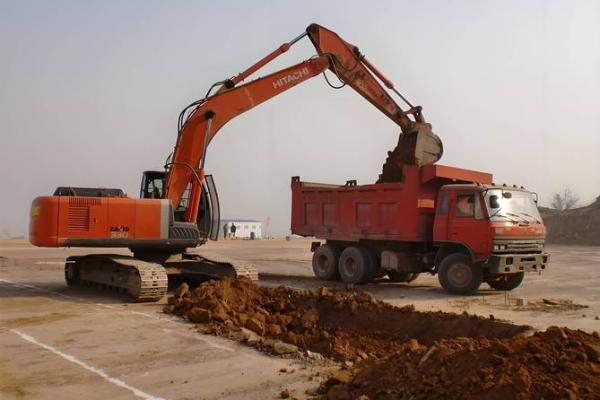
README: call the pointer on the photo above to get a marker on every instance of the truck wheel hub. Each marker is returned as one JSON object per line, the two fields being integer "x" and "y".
{"x": 350, "y": 267}
{"x": 460, "y": 275}
{"x": 323, "y": 263}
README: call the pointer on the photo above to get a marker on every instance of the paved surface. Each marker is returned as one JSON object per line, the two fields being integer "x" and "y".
{"x": 66, "y": 343}
{"x": 573, "y": 275}
{"x": 62, "y": 343}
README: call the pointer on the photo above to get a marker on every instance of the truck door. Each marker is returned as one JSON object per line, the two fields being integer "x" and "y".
{"x": 440, "y": 225}
{"x": 467, "y": 224}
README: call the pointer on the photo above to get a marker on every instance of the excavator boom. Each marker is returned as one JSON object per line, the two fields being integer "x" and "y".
{"x": 206, "y": 120}
{"x": 417, "y": 144}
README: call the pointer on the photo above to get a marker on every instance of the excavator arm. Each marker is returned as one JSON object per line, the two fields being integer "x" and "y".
{"x": 352, "y": 68}
{"x": 201, "y": 120}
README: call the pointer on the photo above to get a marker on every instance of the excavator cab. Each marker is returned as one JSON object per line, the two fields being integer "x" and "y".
{"x": 153, "y": 183}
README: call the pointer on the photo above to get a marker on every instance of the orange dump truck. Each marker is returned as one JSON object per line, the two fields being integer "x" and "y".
{"x": 443, "y": 220}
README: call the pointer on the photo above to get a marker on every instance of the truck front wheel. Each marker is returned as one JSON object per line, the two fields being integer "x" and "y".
{"x": 458, "y": 275}
{"x": 325, "y": 262}
{"x": 354, "y": 265}
{"x": 506, "y": 281}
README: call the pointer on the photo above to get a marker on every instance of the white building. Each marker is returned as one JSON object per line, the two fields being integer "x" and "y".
{"x": 244, "y": 228}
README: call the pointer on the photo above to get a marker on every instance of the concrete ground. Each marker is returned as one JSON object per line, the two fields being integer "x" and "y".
{"x": 66, "y": 343}
{"x": 573, "y": 276}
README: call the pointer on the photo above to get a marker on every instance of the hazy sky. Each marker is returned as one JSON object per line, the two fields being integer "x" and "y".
{"x": 90, "y": 93}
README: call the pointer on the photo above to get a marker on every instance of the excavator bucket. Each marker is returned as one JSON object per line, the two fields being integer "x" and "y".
{"x": 418, "y": 147}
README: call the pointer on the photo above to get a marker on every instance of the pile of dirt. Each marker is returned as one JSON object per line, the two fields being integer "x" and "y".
{"x": 556, "y": 364}
{"x": 345, "y": 325}
{"x": 578, "y": 226}
{"x": 392, "y": 352}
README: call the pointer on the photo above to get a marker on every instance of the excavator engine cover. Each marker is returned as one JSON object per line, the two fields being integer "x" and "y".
{"x": 418, "y": 147}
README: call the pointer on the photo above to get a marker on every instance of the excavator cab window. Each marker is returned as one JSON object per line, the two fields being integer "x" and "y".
{"x": 153, "y": 183}
{"x": 208, "y": 210}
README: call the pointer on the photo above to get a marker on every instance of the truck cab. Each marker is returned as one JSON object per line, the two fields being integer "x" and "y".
{"x": 489, "y": 230}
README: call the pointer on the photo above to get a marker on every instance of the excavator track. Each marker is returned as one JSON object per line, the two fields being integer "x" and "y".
{"x": 142, "y": 280}
{"x": 147, "y": 281}
{"x": 202, "y": 268}
{"x": 239, "y": 269}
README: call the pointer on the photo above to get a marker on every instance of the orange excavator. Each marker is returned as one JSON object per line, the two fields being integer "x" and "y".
{"x": 179, "y": 208}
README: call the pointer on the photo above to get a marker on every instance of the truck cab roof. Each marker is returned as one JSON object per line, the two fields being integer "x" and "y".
{"x": 482, "y": 187}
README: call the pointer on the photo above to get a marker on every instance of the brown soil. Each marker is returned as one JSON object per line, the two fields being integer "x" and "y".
{"x": 579, "y": 226}
{"x": 344, "y": 325}
{"x": 403, "y": 154}
{"x": 398, "y": 353}
{"x": 556, "y": 364}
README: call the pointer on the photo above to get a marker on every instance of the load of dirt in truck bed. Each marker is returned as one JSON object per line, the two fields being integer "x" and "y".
{"x": 579, "y": 226}
{"x": 556, "y": 364}
{"x": 345, "y": 325}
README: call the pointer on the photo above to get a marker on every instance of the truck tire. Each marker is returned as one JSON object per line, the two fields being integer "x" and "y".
{"x": 396, "y": 276}
{"x": 354, "y": 265}
{"x": 325, "y": 262}
{"x": 507, "y": 281}
{"x": 458, "y": 275}
{"x": 372, "y": 265}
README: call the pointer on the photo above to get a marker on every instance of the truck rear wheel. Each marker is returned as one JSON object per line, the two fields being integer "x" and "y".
{"x": 372, "y": 266}
{"x": 325, "y": 262}
{"x": 354, "y": 265}
{"x": 506, "y": 281}
{"x": 458, "y": 275}
{"x": 396, "y": 276}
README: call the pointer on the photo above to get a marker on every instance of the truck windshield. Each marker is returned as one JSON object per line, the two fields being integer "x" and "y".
{"x": 506, "y": 205}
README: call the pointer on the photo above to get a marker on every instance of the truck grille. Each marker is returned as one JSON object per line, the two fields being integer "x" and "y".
{"x": 518, "y": 246}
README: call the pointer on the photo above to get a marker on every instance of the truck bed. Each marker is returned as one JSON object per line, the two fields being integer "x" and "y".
{"x": 401, "y": 211}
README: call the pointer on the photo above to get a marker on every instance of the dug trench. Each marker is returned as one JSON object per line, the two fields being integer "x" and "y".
{"x": 396, "y": 352}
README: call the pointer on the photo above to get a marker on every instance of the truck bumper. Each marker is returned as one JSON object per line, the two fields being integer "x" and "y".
{"x": 513, "y": 263}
